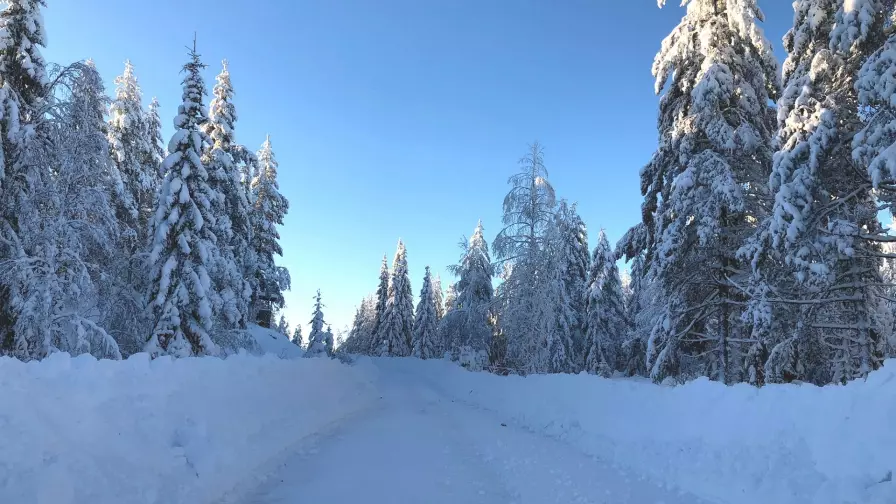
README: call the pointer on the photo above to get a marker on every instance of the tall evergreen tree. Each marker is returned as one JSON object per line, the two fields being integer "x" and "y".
{"x": 360, "y": 336}
{"x": 154, "y": 135}
{"x": 233, "y": 227}
{"x": 397, "y": 324}
{"x": 183, "y": 241}
{"x": 320, "y": 340}
{"x": 437, "y": 298}
{"x": 297, "y": 338}
{"x": 605, "y": 312}
{"x": 23, "y": 87}
{"x": 424, "y": 343}
{"x": 465, "y": 331}
{"x": 382, "y": 298}
{"x": 574, "y": 262}
{"x": 815, "y": 282}
{"x": 135, "y": 159}
{"x": 704, "y": 187}
{"x": 268, "y": 209}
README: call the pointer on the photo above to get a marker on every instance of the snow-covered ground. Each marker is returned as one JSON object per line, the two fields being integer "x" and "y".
{"x": 258, "y": 430}
{"x": 273, "y": 342}
{"x": 78, "y": 430}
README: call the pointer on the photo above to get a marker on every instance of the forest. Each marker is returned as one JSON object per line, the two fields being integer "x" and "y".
{"x": 761, "y": 255}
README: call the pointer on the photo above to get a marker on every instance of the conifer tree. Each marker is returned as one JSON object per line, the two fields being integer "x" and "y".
{"x": 135, "y": 159}
{"x": 23, "y": 86}
{"x": 233, "y": 227}
{"x": 425, "y": 344}
{"x": 297, "y": 337}
{"x": 464, "y": 331}
{"x": 154, "y": 134}
{"x": 437, "y": 298}
{"x": 382, "y": 298}
{"x": 397, "y": 323}
{"x": 574, "y": 262}
{"x": 183, "y": 241}
{"x": 704, "y": 188}
{"x": 320, "y": 340}
{"x": 361, "y": 334}
{"x": 268, "y": 209}
{"x": 605, "y": 312}
{"x": 283, "y": 326}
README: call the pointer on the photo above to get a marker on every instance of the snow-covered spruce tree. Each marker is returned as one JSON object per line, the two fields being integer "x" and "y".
{"x": 450, "y": 298}
{"x": 642, "y": 306}
{"x": 297, "y": 338}
{"x": 464, "y": 330}
{"x": 425, "y": 344}
{"x": 379, "y": 311}
{"x": 605, "y": 321}
{"x": 133, "y": 183}
{"x": 574, "y": 261}
{"x": 153, "y": 125}
{"x": 360, "y": 335}
{"x": 320, "y": 340}
{"x": 23, "y": 87}
{"x": 397, "y": 324}
{"x": 283, "y": 326}
{"x": 183, "y": 242}
{"x": 268, "y": 209}
{"x": 136, "y": 159}
{"x": 816, "y": 282}
{"x": 66, "y": 225}
{"x": 437, "y": 298}
{"x": 704, "y": 188}
{"x": 233, "y": 262}
{"x": 530, "y": 296}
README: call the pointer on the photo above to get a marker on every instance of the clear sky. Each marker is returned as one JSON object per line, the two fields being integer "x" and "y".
{"x": 404, "y": 118}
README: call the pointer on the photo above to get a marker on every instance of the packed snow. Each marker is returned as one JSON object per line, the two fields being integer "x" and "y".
{"x": 262, "y": 429}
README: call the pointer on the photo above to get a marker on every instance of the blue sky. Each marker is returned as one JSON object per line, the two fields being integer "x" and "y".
{"x": 404, "y": 118}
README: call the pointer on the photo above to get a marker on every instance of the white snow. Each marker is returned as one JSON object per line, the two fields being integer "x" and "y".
{"x": 264, "y": 430}
{"x": 275, "y": 343}
{"x": 78, "y": 430}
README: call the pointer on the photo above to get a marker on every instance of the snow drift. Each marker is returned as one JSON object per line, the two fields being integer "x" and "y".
{"x": 168, "y": 431}
{"x": 787, "y": 444}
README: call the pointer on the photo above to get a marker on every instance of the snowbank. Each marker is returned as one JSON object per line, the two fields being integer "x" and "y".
{"x": 274, "y": 343}
{"x": 785, "y": 444}
{"x": 77, "y": 430}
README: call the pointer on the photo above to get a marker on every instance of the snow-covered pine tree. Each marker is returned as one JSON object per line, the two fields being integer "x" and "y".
{"x": 397, "y": 325}
{"x": 183, "y": 242}
{"x": 425, "y": 344}
{"x": 464, "y": 330}
{"x": 268, "y": 209}
{"x": 320, "y": 340}
{"x": 133, "y": 183}
{"x": 382, "y": 298}
{"x": 66, "y": 225}
{"x": 823, "y": 226}
{"x": 283, "y": 326}
{"x": 450, "y": 298}
{"x": 153, "y": 125}
{"x": 642, "y": 307}
{"x": 23, "y": 86}
{"x": 358, "y": 340}
{"x": 437, "y": 298}
{"x": 135, "y": 158}
{"x": 233, "y": 228}
{"x": 530, "y": 296}
{"x": 704, "y": 188}
{"x": 574, "y": 260}
{"x": 605, "y": 320}
{"x": 297, "y": 338}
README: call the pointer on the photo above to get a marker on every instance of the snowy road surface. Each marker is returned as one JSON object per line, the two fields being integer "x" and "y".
{"x": 420, "y": 446}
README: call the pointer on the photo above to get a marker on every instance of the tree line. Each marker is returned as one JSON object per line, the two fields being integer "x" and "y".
{"x": 111, "y": 243}
{"x": 760, "y": 256}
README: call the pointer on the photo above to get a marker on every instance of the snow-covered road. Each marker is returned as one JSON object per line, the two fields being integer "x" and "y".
{"x": 420, "y": 446}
